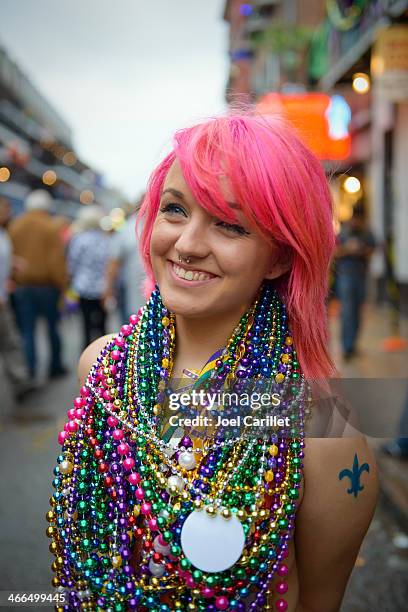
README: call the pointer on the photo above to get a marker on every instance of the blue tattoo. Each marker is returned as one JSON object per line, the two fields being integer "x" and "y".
{"x": 354, "y": 476}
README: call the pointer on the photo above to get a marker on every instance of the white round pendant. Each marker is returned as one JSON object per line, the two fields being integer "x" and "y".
{"x": 212, "y": 543}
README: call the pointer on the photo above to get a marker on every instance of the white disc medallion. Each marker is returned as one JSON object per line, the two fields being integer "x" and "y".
{"x": 212, "y": 543}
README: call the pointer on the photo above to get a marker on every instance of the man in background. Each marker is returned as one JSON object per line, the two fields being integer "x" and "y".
{"x": 125, "y": 265}
{"x": 40, "y": 279}
{"x": 355, "y": 245}
{"x": 13, "y": 361}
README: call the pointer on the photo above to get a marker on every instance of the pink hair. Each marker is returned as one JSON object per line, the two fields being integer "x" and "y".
{"x": 282, "y": 190}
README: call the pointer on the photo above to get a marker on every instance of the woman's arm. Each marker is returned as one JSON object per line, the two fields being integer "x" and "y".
{"x": 90, "y": 355}
{"x": 340, "y": 495}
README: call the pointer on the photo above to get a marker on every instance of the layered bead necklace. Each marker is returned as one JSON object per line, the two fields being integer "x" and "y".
{"x": 138, "y": 523}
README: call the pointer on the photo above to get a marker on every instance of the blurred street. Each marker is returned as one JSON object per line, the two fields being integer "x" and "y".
{"x": 28, "y": 443}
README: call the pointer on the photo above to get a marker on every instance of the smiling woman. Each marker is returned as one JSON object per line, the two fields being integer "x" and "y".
{"x": 153, "y": 513}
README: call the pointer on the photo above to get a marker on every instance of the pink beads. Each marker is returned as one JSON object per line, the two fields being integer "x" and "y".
{"x": 133, "y": 319}
{"x": 281, "y": 605}
{"x": 129, "y": 463}
{"x": 115, "y": 355}
{"x": 112, "y": 421}
{"x": 71, "y": 414}
{"x": 117, "y": 434}
{"x": 62, "y": 436}
{"x": 134, "y": 478}
{"x": 207, "y": 592}
{"x": 84, "y": 391}
{"x": 152, "y": 523}
{"x": 72, "y": 426}
{"x": 281, "y": 588}
{"x": 120, "y": 341}
{"x": 113, "y": 369}
{"x": 123, "y": 448}
{"x": 106, "y": 395}
{"x": 189, "y": 580}
{"x": 283, "y": 570}
{"x": 79, "y": 413}
{"x": 126, "y": 330}
{"x": 146, "y": 507}
{"x": 221, "y": 602}
{"x": 139, "y": 494}
{"x": 79, "y": 402}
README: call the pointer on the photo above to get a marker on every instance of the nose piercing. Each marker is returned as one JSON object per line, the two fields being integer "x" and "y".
{"x": 184, "y": 259}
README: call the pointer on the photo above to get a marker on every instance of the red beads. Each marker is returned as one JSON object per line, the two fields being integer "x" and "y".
{"x": 281, "y": 605}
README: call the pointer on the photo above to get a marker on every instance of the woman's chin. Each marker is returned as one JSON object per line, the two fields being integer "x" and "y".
{"x": 184, "y": 306}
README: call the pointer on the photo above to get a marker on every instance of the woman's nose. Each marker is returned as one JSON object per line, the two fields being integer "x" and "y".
{"x": 193, "y": 239}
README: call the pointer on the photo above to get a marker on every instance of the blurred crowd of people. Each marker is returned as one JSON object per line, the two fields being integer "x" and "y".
{"x": 50, "y": 265}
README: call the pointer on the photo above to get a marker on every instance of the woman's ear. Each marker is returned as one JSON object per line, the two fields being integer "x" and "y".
{"x": 281, "y": 263}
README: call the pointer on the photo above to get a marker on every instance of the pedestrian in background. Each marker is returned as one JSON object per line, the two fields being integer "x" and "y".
{"x": 12, "y": 356}
{"x": 125, "y": 265}
{"x": 88, "y": 254}
{"x": 41, "y": 278}
{"x": 355, "y": 245}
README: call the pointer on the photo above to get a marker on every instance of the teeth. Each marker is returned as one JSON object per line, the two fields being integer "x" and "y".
{"x": 190, "y": 275}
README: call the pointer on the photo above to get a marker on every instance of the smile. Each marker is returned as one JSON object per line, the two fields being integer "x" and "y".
{"x": 191, "y": 276}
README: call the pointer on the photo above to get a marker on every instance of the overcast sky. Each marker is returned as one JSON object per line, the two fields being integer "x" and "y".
{"x": 124, "y": 75}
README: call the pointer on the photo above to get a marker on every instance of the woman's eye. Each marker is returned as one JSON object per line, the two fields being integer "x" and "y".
{"x": 236, "y": 229}
{"x": 172, "y": 209}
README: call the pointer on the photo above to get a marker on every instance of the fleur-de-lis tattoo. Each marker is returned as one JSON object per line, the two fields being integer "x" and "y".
{"x": 354, "y": 474}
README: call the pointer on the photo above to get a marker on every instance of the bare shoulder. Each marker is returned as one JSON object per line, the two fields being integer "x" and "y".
{"x": 90, "y": 355}
{"x": 340, "y": 495}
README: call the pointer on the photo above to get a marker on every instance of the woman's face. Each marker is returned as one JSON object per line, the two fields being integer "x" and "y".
{"x": 227, "y": 261}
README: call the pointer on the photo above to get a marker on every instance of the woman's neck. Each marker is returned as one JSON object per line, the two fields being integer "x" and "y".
{"x": 198, "y": 339}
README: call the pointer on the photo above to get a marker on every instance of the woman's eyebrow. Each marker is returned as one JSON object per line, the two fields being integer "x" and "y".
{"x": 174, "y": 192}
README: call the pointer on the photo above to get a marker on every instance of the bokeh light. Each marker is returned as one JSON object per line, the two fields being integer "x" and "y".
{"x": 245, "y": 9}
{"x": 4, "y": 174}
{"x": 361, "y": 83}
{"x": 87, "y": 196}
{"x": 49, "y": 177}
{"x": 352, "y": 184}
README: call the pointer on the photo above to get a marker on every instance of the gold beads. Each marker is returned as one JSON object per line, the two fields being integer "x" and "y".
{"x": 165, "y": 321}
{"x": 269, "y": 476}
{"x": 156, "y": 409}
{"x": 116, "y": 561}
{"x": 211, "y": 511}
{"x": 66, "y": 467}
{"x": 226, "y": 513}
{"x": 279, "y": 377}
{"x": 289, "y": 341}
{"x": 241, "y": 515}
{"x": 165, "y": 363}
{"x": 285, "y": 358}
{"x": 50, "y": 516}
{"x": 50, "y": 531}
{"x": 273, "y": 450}
{"x": 53, "y": 548}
